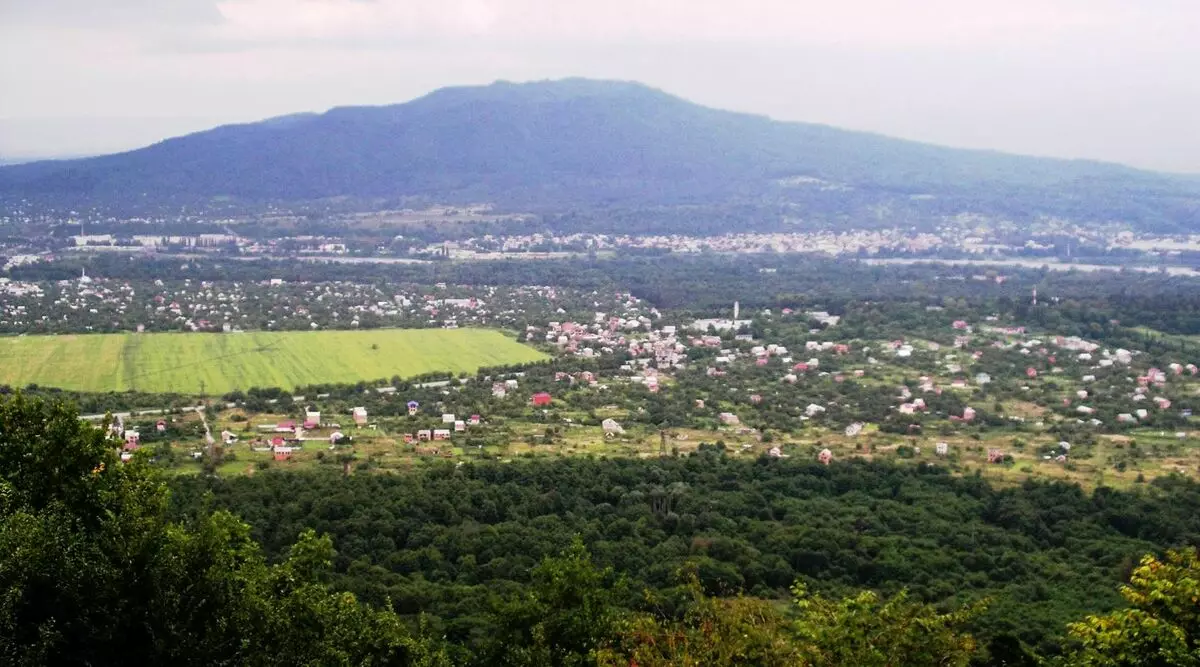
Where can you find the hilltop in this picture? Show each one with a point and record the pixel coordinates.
(581, 142)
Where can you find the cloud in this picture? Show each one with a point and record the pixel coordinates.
(869, 23)
(113, 13)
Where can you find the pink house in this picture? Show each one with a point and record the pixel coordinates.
(825, 456)
(541, 399)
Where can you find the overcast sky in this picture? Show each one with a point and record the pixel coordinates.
(1116, 80)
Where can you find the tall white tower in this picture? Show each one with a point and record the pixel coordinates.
(736, 308)
(1035, 296)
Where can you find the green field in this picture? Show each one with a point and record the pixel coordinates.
(218, 363)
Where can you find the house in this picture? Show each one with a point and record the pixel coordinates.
(133, 439)
(160, 426)
(424, 435)
(336, 437)
(408, 438)
(995, 456)
(813, 410)
(498, 390)
(729, 418)
(282, 453)
(441, 434)
(460, 426)
(448, 418)
(228, 437)
(541, 399)
(474, 420)
(360, 416)
(413, 406)
(285, 427)
(968, 414)
(941, 449)
(312, 418)
(825, 456)
(611, 427)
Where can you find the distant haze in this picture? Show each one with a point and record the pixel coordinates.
(1104, 79)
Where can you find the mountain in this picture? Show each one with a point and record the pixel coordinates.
(584, 142)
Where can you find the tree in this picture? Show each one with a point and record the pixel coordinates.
(568, 612)
(93, 572)
(714, 632)
(868, 631)
(1161, 627)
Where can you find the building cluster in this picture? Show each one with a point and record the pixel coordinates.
(91, 303)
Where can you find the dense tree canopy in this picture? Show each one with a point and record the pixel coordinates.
(93, 571)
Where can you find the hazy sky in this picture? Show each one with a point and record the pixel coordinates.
(1110, 79)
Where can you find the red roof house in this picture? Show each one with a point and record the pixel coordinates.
(541, 399)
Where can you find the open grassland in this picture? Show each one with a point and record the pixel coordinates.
(219, 363)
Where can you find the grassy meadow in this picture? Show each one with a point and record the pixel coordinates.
(218, 363)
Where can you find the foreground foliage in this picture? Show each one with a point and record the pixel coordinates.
(1162, 625)
(95, 569)
(93, 572)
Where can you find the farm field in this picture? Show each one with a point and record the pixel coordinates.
(218, 363)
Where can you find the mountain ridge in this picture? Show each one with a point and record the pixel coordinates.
(590, 142)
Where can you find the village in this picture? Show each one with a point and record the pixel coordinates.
(94, 304)
(478, 232)
(980, 395)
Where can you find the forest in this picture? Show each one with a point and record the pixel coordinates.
(677, 560)
(446, 543)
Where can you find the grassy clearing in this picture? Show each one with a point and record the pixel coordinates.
(218, 363)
